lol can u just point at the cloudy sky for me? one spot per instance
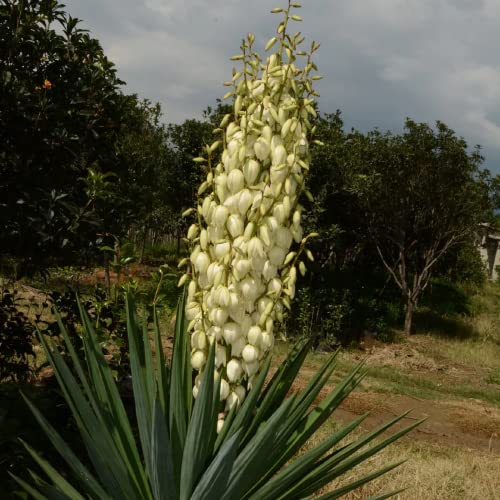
(382, 60)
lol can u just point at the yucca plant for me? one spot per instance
(179, 452)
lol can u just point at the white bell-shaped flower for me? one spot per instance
(220, 356)
(245, 202)
(239, 390)
(234, 370)
(198, 359)
(262, 149)
(219, 316)
(222, 249)
(231, 332)
(237, 347)
(251, 171)
(250, 353)
(235, 181)
(221, 214)
(202, 262)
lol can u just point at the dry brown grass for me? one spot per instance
(456, 382)
(432, 472)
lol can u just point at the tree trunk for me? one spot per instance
(143, 245)
(107, 277)
(410, 308)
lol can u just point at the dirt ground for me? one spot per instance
(471, 425)
(454, 454)
(465, 422)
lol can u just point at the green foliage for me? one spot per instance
(19, 322)
(158, 254)
(110, 325)
(60, 111)
(447, 298)
(463, 264)
(16, 338)
(178, 453)
(374, 190)
(427, 193)
(80, 160)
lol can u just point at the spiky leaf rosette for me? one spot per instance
(172, 450)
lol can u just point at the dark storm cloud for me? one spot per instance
(383, 60)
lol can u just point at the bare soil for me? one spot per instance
(466, 423)
(470, 425)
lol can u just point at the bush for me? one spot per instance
(464, 265)
(16, 338)
(157, 255)
(18, 361)
(335, 316)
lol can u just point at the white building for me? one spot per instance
(489, 248)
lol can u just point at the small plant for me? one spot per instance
(16, 338)
(108, 318)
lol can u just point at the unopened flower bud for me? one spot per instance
(224, 390)
(220, 422)
(192, 232)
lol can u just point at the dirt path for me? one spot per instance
(454, 422)
(465, 424)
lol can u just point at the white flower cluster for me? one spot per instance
(243, 272)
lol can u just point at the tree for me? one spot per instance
(344, 292)
(143, 148)
(185, 141)
(60, 113)
(426, 193)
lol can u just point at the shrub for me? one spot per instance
(16, 338)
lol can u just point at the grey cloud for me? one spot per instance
(382, 60)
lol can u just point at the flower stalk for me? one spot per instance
(248, 241)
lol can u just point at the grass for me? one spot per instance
(450, 371)
(431, 472)
(391, 380)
